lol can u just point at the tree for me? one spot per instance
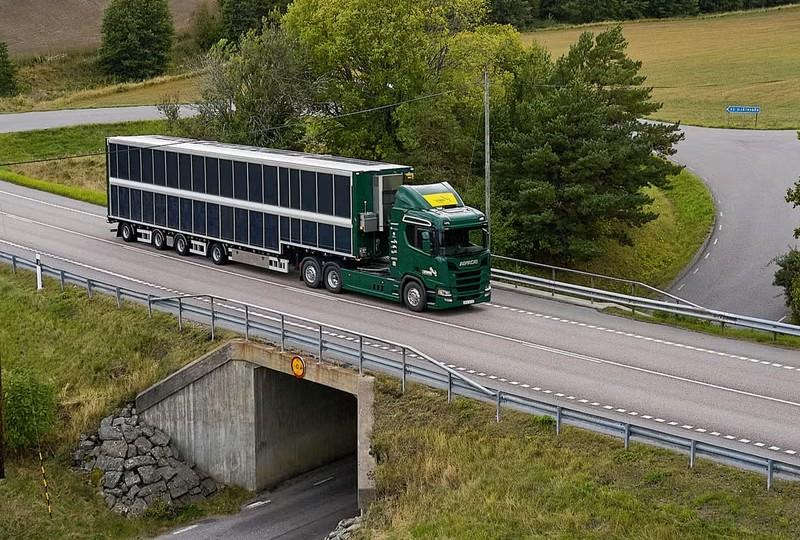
(137, 38)
(8, 80)
(574, 156)
(788, 277)
(405, 52)
(519, 13)
(259, 92)
(793, 197)
(206, 25)
(239, 16)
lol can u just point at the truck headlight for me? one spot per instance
(488, 288)
(444, 292)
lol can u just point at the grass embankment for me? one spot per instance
(81, 178)
(700, 65)
(452, 472)
(73, 80)
(96, 357)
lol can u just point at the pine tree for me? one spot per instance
(8, 81)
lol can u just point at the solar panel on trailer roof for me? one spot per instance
(244, 152)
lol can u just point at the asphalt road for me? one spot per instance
(28, 121)
(721, 390)
(748, 173)
(305, 508)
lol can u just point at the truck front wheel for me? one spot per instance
(414, 296)
(333, 278)
(311, 273)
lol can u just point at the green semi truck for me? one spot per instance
(345, 224)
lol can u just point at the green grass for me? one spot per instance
(81, 178)
(97, 357)
(665, 246)
(452, 472)
(700, 65)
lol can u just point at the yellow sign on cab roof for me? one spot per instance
(441, 199)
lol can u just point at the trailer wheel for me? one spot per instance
(159, 240)
(128, 232)
(311, 273)
(218, 254)
(333, 278)
(181, 245)
(414, 296)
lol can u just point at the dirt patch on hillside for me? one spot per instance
(44, 26)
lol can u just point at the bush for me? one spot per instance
(137, 38)
(239, 16)
(29, 407)
(788, 277)
(8, 81)
(206, 25)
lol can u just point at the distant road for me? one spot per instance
(28, 121)
(748, 172)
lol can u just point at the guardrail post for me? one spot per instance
(692, 452)
(61, 279)
(119, 298)
(499, 400)
(247, 323)
(449, 387)
(180, 314)
(14, 264)
(558, 421)
(89, 287)
(283, 333)
(627, 436)
(360, 355)
(552, 284)
(403, 376)
(39, 284)
(319, 358)
(770, 466)
(150, 306)
(213, 318)
(591, 284)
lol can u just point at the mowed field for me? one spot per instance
(47, 26)
(698, 66)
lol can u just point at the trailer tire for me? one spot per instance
(181, 245)
(333, 278)
(218, 254)
(159, 240)
(311, 273)
(128, 232)
(414, 296)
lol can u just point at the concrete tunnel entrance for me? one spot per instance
(242, 415)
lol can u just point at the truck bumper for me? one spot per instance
(440, 302)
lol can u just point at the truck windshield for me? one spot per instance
(463, 241)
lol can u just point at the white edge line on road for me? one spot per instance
(324, 480)
(258, 503)
(52, 205)
(185, 529)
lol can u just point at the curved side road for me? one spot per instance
(748, 173)
(13, 122)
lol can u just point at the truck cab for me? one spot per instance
(440, 243)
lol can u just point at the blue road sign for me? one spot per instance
(745, 109)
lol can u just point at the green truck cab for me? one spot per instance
(432, 251)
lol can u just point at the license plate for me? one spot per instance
(467, 302)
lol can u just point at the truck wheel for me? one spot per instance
(128, 232)
(414, 296)
(333, 278)
(218, 254)
(181, 245)
(159, 240)
(312, 273)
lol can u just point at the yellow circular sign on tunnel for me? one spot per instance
(298, 367)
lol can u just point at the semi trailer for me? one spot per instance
(345, 224)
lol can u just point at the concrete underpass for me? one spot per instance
(241, 414)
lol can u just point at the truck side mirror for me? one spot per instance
(425, 241)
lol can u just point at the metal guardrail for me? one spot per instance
(678, 306)
(366, 352)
